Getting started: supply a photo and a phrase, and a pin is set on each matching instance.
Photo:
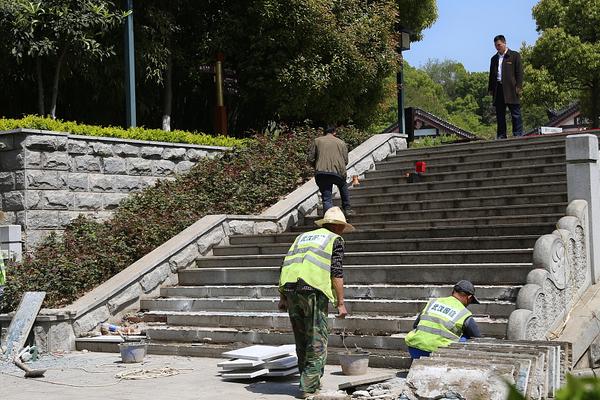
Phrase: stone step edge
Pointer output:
(381, 253)
(375, 241)
(463, 219)
(448, 182)
(271, 299)
(399, 230)
(474, 188)
(274, 314)
(470, 171)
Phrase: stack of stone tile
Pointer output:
(482, 368)
(250, 362)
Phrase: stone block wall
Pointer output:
(48, 178)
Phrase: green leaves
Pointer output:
(568, 50)
(139, 133)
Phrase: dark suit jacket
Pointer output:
(512, 76)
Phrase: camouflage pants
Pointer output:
(308, 314)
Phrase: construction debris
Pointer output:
(250, 362)
(482, 368)
(22, 322)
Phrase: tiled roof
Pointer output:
(437, 122)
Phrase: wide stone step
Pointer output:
(476, 146)
(396, 194)
(277, 321)
(355, 306)
(381, 291)
(458, 243)
(475, 221)
(451, 213)
(472, 202)
(391, 177)
(402, 161)
(381, 257)
(461, 183)
(480, 274)
(396, 359)
(444, 166)
(416, 233)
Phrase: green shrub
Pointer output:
(155, 135)
(584, 388)
(432, 141)
(241, 181)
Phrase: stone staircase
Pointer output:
(475, 215)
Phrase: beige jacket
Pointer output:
(329, 154)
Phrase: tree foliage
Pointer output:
(566, 56)
(56, 32)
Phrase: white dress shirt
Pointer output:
(500, 60)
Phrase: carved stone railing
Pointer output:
(561, 274)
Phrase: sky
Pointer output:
(465, 30)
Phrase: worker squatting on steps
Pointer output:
(444, 321)
(311, 276)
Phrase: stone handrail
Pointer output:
(57, 328)
(561, 274)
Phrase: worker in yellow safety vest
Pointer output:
(311, 276)
(444, 321)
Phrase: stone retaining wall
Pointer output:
(48, 178)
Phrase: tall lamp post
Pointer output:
(130, 112)
(403, 45)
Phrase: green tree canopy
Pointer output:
(566, 56)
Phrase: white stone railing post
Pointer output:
(583, 183)
(10, 241)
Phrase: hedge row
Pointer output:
(155, 135)
(241, 181)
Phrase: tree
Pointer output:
(447, 73)
(53, 31)
(567, 54)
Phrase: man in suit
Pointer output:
(505, 86)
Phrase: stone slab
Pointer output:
(283, 372)
(244, 375)
(362, 381)
(260, 352)
(522, 374)
(22, 322)
(540, 370)
(283, 362)
(239, 363)
(431, 379)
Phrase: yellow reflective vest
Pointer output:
(441, 324)
(2, 270)
(309, 259)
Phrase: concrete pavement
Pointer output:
(91, 376)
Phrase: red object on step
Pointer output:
(420, 167)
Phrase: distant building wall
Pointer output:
(48, 178)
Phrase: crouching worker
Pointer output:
(311, 276)
(444, 321)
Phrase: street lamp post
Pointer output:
(130, 111)
(403, 45)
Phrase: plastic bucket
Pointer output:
(133, 352)
(356, 363)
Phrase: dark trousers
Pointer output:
(325, 183)
(515, 114)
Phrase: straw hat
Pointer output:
(335, 216)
